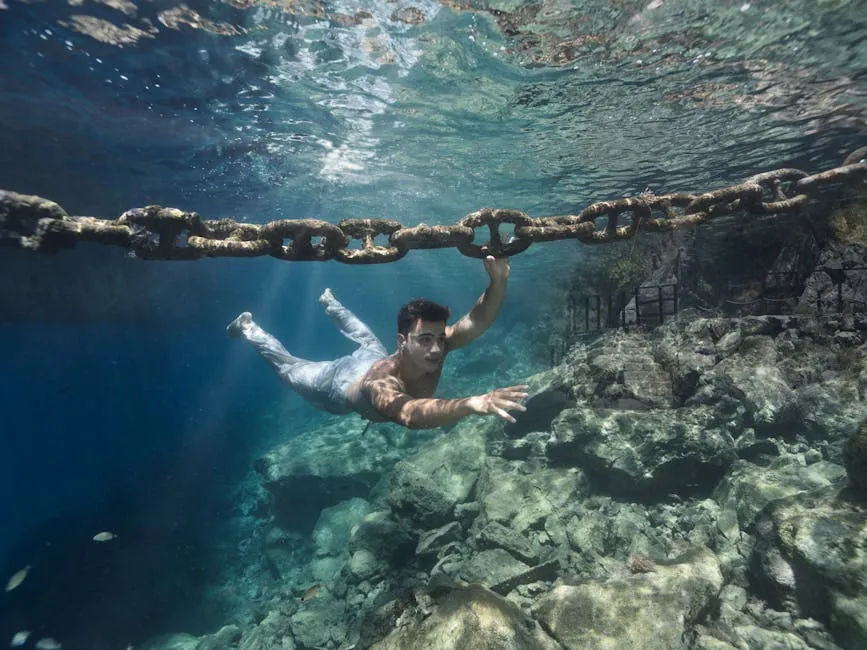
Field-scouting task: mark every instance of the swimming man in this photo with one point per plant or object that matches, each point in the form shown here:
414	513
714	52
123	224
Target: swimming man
398	387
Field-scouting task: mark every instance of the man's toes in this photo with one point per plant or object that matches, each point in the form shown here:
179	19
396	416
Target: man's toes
236	327
327	297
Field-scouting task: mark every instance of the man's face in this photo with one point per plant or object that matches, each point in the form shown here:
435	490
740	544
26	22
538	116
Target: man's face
425	345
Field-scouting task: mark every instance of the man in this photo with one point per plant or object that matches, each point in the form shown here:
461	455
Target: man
400	387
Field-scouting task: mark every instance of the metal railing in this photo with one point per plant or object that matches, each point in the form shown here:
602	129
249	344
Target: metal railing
652	305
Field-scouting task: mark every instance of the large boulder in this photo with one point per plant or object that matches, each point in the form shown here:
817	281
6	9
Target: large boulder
271	632
426	487
490	567
623	367
495	535
322	468
320	622
752	377
335	525
744	492
521	500
646	454
378	543
830	411
467	617
331	539
653	611
810	559
379	533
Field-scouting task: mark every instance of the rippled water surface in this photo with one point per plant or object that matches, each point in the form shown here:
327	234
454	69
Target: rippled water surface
418	110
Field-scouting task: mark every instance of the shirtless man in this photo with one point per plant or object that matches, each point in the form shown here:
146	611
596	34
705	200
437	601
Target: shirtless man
400	387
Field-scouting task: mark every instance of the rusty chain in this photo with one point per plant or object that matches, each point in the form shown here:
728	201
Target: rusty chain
157	233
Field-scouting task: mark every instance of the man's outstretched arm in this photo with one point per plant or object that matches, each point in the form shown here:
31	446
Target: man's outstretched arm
393	404
485	311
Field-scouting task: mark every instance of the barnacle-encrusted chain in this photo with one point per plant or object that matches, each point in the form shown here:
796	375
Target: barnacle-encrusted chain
157	233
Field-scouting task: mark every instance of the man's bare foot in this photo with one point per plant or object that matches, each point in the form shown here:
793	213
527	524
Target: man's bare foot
327	298
236	327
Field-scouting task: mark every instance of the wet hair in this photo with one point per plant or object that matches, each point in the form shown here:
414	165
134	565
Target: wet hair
420	309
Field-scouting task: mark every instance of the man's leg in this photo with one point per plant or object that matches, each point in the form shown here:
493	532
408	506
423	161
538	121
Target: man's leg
350	325
304	376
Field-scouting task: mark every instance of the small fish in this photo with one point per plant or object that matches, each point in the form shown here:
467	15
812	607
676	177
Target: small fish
104	536
310	593
19	638
17	578
47	643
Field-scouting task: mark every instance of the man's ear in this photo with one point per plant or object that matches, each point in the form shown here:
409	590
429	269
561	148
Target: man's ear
401	341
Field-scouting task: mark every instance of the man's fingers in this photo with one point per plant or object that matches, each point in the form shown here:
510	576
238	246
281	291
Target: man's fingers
508	404
507	399
510	398
510	393
512	389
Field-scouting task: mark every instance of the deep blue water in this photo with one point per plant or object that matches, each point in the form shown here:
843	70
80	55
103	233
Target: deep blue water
151	418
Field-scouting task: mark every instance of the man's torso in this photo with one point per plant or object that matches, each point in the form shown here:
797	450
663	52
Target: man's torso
424	387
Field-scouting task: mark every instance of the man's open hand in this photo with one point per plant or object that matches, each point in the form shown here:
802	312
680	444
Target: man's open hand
499	401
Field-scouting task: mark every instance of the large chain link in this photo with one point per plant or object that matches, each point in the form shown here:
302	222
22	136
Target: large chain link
157	233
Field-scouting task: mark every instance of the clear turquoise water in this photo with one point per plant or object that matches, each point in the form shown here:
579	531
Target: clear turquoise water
543	108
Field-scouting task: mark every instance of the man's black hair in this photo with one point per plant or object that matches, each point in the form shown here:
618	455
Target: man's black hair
420	309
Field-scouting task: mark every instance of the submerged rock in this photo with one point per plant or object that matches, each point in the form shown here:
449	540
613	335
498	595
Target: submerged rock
830	411
225	638
646	455
542	408
271	632
651	611
324	467
431	543
810	559
172	642
752	377
744	492
427	487
716	433
520	500
334	528
624	367
855	457
468	617
490	567
379	533
495	535
319	622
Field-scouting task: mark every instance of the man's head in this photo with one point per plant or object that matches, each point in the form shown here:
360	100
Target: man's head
421	333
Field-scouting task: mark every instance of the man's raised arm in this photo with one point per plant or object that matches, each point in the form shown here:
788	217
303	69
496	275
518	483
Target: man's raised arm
485	311
389	400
